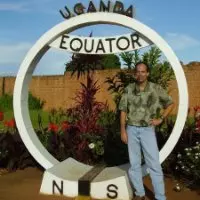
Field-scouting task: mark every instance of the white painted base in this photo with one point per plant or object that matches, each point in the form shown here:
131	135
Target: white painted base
111	183
62	179
67	172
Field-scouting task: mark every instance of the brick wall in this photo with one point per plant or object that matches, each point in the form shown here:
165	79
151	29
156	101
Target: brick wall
58	91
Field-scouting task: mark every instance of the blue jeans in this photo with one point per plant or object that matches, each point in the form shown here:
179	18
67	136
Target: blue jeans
143	138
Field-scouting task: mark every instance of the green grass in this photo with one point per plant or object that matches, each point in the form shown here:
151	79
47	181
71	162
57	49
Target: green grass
33	115
34	118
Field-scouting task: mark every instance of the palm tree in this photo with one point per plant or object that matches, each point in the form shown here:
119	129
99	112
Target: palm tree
152	57
82	63
161	71
130	59
85	63
127	58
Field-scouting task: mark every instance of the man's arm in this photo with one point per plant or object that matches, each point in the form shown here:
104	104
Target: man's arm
167	111
167	104
123	132
123	104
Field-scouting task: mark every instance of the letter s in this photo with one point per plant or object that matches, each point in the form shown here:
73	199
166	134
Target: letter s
112	193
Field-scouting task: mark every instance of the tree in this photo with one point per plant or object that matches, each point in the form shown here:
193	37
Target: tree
82	63
127	57
85	63
130	59
152	57
161	72
111	61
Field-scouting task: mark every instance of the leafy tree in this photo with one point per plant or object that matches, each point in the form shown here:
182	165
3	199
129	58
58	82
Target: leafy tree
111	61
130	59
127	57
161	72
152	57
82	63
85	63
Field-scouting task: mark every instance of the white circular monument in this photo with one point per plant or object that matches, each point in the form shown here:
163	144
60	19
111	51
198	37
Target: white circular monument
27	67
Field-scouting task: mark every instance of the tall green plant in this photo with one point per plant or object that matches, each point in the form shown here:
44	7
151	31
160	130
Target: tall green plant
161	71
130	59
127	57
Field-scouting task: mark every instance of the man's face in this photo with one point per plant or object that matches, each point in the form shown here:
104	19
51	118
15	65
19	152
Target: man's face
141	73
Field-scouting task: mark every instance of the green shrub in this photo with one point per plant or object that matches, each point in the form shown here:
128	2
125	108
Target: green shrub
35	103
161	71
106	118
6	102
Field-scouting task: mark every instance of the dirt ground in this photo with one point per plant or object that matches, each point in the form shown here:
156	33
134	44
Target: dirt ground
25	185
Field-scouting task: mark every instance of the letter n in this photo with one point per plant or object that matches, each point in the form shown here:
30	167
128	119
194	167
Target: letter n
58	187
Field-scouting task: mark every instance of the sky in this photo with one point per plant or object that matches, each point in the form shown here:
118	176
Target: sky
23	22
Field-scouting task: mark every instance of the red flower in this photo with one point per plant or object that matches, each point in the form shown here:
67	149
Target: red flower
1	116
65	125
53	127
10	124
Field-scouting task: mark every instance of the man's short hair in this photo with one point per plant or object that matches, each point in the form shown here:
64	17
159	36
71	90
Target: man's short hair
144	63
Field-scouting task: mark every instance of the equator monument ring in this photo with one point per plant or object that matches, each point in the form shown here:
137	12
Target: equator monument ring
58	177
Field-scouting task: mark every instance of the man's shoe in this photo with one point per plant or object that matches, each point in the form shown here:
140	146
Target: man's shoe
139	198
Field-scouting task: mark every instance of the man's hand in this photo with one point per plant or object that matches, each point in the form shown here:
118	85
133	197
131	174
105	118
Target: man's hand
124	136
155	122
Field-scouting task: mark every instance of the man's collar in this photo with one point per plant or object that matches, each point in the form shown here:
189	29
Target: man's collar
137	87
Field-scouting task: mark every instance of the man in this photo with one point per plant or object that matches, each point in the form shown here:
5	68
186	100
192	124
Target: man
139	105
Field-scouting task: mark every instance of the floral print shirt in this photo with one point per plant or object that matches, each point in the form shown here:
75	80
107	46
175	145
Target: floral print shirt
142	106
